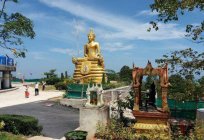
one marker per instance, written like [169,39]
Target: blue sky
[120,26]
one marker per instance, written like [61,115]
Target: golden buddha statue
[91,66]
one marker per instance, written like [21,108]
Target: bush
[61,86]
[76,135]
[18,124]
[115,130]
[52,80]
[2,124]
[8,136]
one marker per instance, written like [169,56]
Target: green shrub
[2,124]
[115,130]
[9,136]
[52,80]
[76,135]
[18,124]
[197,132]
[61,86]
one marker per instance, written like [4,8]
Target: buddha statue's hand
[74,60]
[98,56]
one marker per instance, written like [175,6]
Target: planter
[76,135]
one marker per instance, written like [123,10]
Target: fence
[182,109]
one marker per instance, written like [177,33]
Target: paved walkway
[17,97]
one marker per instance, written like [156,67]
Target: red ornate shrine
[149,121]
[137,75]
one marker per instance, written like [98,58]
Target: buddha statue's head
[91,35]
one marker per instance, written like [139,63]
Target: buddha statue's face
[91,37]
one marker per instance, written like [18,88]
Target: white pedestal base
[90,116]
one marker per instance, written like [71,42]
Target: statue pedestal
[152,122]
[88,70]
[90,116]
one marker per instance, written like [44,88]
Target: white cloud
[116,46]
[168,48]
[36,16]
[121,27]
[79,26]
[37,55]
[70,52]
[61,32]
[147,13]
[175,47]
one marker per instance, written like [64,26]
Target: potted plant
[76,135]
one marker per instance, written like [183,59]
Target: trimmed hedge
[20,124]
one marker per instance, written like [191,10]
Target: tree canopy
[183,66]
[125,74]
[13,28]
[185,62]
[112,75]
[170,10]
[51,73]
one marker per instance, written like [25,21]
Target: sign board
[2,60]
[10,61]
[5,60]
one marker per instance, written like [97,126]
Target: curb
[11,89]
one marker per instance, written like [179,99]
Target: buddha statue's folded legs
[76,60]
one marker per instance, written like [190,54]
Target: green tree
[148,82]
[51,73]
[66,75]
[185,62]
[200,87]
[104,79]
[112,75]
[62,76]
[201,82]
[171,10]
[126,74]
[13,28]
[51,77]
[177,87]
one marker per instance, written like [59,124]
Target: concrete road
[55,119]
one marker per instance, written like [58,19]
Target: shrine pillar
[136,99]
[164,91]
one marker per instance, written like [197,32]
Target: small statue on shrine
[152,93]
